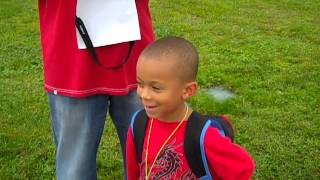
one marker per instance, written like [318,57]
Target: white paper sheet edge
[108,21]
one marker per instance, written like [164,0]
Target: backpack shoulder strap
[194,140]
[138,126]
[195,124]
[224,125]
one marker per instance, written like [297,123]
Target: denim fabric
[78,125]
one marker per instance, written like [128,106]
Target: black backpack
[195,130]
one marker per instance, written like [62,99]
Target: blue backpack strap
[224,125]
[207,175]
[138,125]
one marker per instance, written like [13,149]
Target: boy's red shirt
[72,72]
[226,160]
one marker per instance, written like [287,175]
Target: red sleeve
[226,159]
[131,157]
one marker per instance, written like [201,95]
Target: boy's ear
[190,90]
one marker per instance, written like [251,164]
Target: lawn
[267,52]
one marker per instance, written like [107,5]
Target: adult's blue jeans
[78,125]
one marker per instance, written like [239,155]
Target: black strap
[192,150]
[139,130]
[193,132]
[87,41]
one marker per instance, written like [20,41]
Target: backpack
[196,127]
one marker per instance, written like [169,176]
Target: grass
[265,51]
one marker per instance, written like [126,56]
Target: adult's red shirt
[72,72]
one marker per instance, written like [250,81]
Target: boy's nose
[144,93]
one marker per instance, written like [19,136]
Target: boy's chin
[151,115]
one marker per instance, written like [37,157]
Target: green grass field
[266,51]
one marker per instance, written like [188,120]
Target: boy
[166,73]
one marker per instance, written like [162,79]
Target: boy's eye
[156,88]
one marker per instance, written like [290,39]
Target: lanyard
[165,142]
[87,41]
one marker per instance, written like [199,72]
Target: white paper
[108,21]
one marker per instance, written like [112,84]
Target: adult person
[82,89]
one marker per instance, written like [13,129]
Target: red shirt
[226,160]
[72,72]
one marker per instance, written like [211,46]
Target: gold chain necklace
[165,142]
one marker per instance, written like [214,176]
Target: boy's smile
[160,89]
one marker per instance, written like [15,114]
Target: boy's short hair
[178,49]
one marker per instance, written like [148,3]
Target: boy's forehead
[155,69]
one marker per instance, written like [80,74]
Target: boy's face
[161,91]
